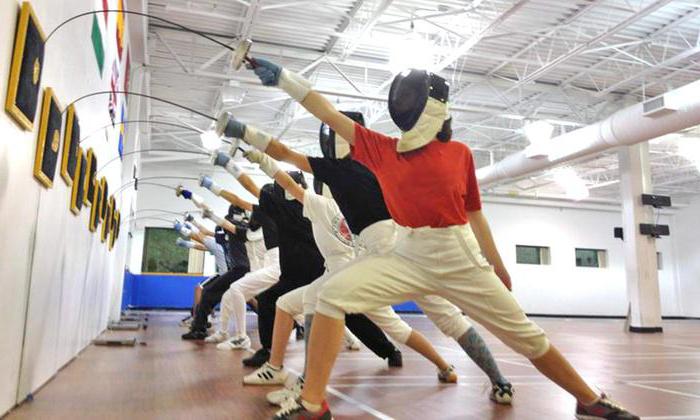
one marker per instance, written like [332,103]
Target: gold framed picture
[107,222]
[26,68]
[95,208]
[105,196]
[115,226]
[71,143]
[89,186]
[49,139]
[76,196]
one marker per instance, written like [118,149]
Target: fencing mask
[418,106]
[332,145]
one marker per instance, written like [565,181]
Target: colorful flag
[105,7]
[127,72]
[120,28]
[120,147]
[114,83]
[97,44]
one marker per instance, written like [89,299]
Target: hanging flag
[120,147]
[97,44]
[105,7]
[120,28]
[114,83]
[127,72]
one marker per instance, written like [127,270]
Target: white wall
[59,280]
[686,234]
[563,288]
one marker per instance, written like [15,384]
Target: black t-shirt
[300,259]
[236,245]
[354,188]
[270,237]
[222,239]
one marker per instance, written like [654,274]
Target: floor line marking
[668,391]
[362,406]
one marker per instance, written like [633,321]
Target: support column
[640,250]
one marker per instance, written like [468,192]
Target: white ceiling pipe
[625,127]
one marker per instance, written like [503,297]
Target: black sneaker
[603,409]
[300,332]
[258,359]
[502,393]
[395,359]
[293,410]
[195,335]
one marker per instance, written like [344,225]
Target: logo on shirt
[341,230]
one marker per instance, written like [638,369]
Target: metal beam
[348,50]
[600,37]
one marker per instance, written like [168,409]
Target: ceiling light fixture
[412,51]
[210,140]
[574,187]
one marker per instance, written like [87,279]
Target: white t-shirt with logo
[331,232]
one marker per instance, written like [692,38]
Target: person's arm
[208,183]
[189,244]
[220,221]
[483,235]
[203,229]
[225,161]
[270,168]
[300,89]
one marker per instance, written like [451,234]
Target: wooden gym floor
[658,375]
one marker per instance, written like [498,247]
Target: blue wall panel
[176,292]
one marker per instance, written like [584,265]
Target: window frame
[144,253]
[543,255]
[601,257]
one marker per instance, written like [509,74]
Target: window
[160,254]
[528,254]
[591,257]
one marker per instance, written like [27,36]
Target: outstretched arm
[220,221]
[269,166]
[208,183]
[483,235]
[225,161]
[203,229]
[299,88]
[190,244]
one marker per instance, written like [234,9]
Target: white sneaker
[266,375]
[352,343]
[281,395]
[217,337]
[236,343]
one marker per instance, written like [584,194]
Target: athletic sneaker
[266,375]
[217,337]
[351,342]
[281,395]
[195,335]
[258,359]
[299,331]
[395,359]
[448,376]
[502,393]
[293,410]
[186,321]
[236,343]
[603,409]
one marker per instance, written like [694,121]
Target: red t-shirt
[433,186]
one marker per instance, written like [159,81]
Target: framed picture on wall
[95,208]
[115,225]
[107,222]
[105,195]
[49,139]
[76,197]
[118,225]
[71,142]
[90,169]
[26,68]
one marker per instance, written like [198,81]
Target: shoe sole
[265,383]
[587,417]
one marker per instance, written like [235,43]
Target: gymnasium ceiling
[569,62]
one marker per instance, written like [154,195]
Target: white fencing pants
[233,302]
[446,262]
